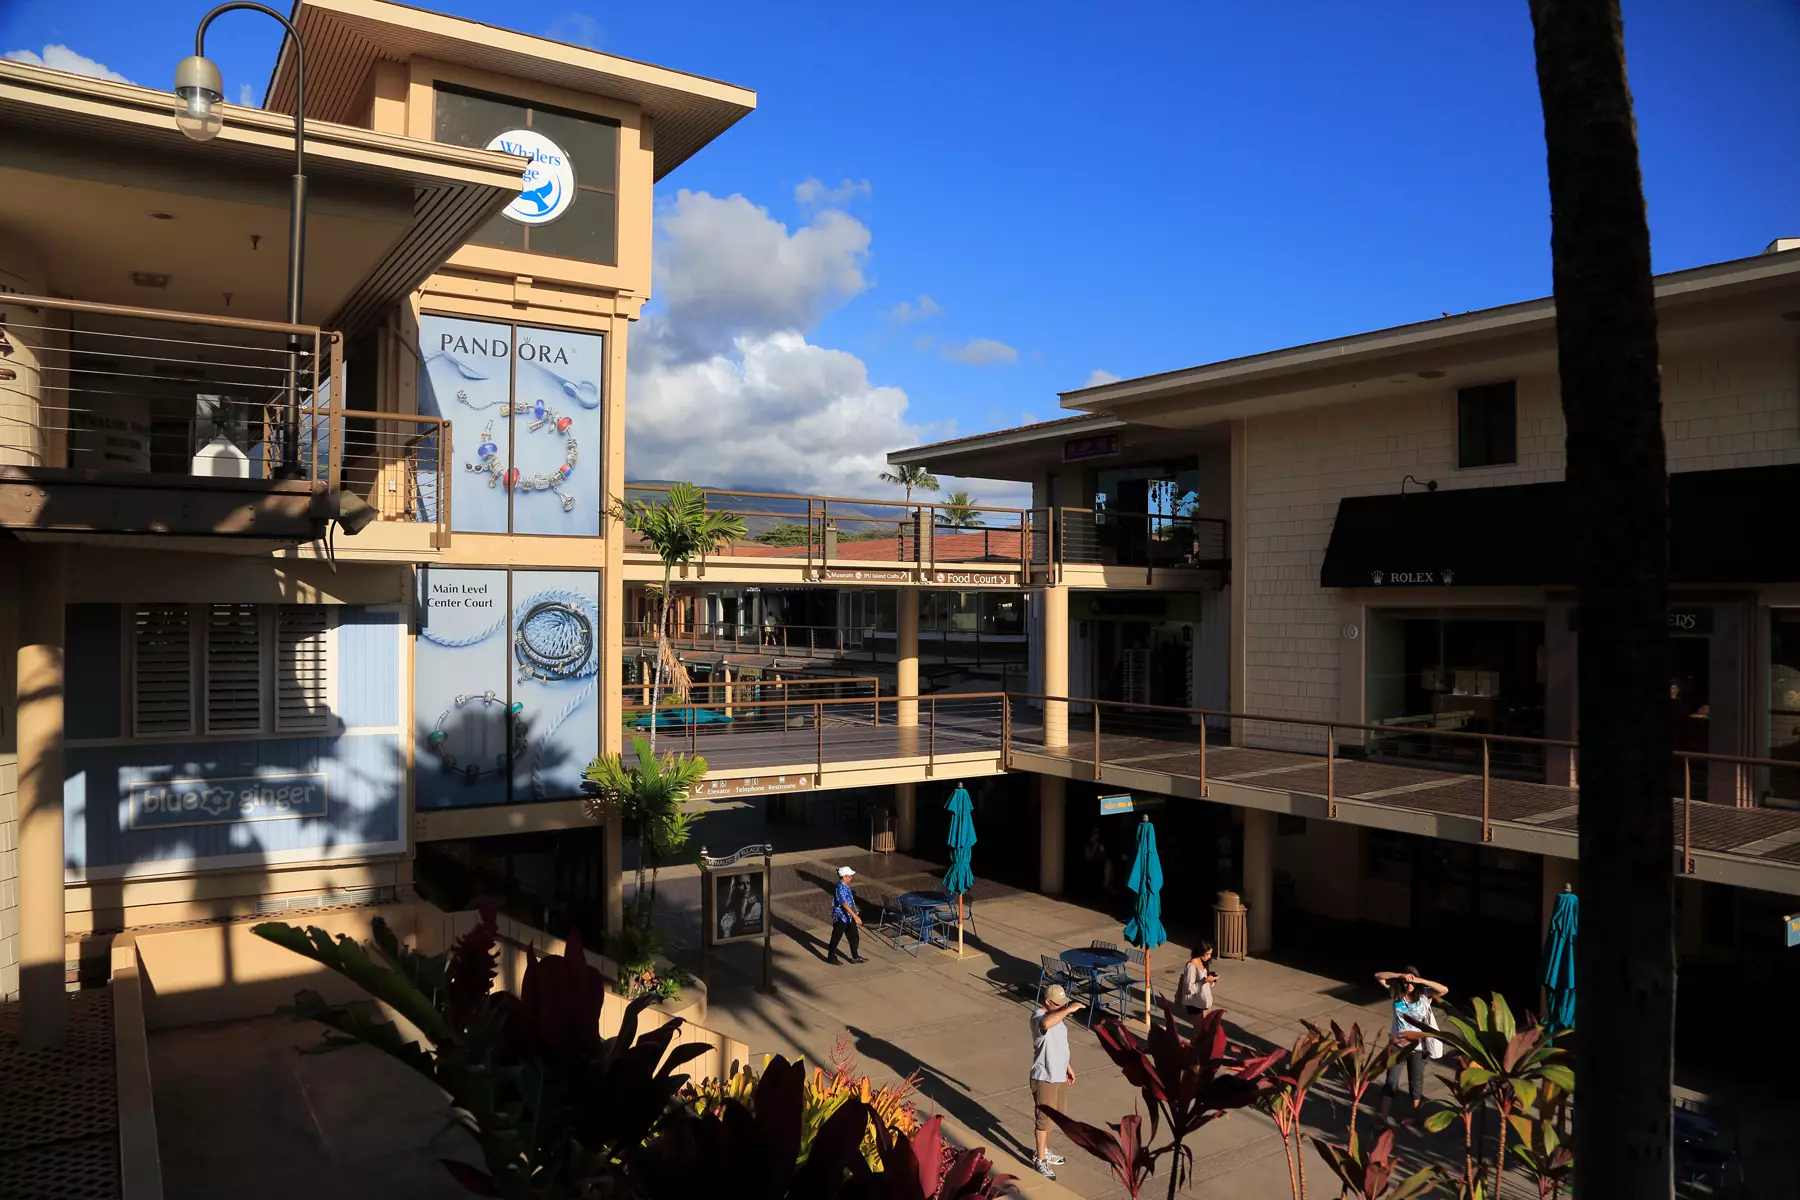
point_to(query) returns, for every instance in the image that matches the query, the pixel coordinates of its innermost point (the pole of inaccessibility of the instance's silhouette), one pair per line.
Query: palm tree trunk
(662, 637)
(1618, 495)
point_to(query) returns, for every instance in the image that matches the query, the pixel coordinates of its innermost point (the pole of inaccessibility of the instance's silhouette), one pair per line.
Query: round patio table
(1092, 960)
(918, 914)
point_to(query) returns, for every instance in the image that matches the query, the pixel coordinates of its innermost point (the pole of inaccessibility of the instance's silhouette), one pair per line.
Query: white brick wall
(1733, 407)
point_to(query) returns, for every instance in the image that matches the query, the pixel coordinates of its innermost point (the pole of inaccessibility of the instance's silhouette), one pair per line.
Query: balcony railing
(399, 463)
(1109, 537)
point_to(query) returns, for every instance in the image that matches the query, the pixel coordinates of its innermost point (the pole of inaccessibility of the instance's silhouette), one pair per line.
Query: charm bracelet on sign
(471, 772)
(542, 417)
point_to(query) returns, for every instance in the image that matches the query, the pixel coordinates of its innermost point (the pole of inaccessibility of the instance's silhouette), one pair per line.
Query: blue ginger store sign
(227, 801)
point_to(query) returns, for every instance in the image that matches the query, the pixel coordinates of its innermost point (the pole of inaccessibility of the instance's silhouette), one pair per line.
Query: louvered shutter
(303, 681)
(162, 669)
(234, 668)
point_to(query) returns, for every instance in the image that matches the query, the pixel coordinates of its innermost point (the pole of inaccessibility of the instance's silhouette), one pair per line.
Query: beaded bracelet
(544, 417)
(471, 772)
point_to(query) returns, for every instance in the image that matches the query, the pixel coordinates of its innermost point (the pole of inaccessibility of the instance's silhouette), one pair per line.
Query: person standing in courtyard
(1051, 1071)
(1412, 998)
(845, 920)
(1195, 991)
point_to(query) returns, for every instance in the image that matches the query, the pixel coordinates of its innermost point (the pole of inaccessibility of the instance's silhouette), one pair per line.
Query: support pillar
(1056, 665)
(906, 816)
(906, 666)
(1052, 800)
(1259, 878)
(42, 594)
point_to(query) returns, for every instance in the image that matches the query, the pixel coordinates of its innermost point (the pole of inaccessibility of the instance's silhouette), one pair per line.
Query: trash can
(1231, 926)
(881, 831)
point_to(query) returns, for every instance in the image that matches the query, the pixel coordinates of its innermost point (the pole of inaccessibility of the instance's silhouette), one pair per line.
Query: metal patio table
(1092, 961)
(919, 914)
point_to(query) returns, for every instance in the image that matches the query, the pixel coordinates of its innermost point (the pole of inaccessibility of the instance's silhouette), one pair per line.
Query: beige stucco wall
(9, 781)
(1734, 406)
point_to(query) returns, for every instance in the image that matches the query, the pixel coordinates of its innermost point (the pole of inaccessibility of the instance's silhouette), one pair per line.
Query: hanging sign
(549, 180)
(1111, 806)
(1793, 929)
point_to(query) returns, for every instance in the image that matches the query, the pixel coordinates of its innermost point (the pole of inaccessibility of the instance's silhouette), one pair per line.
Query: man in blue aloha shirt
(844, 918)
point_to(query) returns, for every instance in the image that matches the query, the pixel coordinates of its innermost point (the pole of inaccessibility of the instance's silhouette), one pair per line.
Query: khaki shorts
(1049, 1095)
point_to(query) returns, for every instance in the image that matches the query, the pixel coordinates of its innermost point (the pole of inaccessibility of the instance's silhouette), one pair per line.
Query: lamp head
(199, 90)
(353, 513)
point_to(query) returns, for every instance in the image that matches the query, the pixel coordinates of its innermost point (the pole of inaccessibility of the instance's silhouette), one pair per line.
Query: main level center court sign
(227, 801)
(549, 180)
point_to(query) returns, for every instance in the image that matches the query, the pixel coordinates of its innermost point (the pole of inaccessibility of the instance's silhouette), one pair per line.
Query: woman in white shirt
(1412, 998)
(1195, 991)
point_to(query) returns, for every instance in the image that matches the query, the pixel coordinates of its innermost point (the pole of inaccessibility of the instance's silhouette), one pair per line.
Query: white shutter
(303, 676)
(234, 668)
(162, 670)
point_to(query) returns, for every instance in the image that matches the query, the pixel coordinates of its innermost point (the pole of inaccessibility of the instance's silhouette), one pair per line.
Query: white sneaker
(1055, 1160)
(1043, 1168)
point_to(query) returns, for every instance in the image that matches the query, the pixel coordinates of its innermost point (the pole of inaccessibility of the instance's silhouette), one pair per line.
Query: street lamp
(200, 90)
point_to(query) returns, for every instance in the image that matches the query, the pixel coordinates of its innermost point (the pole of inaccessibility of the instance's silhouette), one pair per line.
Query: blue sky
(1135, 192)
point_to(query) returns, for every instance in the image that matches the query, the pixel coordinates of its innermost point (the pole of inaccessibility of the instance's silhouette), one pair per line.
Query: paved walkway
(59, 1123)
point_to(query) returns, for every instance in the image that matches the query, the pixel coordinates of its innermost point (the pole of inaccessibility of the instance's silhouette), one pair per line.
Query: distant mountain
(763, 513)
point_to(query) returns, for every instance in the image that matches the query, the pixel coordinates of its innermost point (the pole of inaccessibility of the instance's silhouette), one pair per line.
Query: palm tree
(1607, 358)
(959, 510)
(910, 478)
(680, 528)
(651, 797)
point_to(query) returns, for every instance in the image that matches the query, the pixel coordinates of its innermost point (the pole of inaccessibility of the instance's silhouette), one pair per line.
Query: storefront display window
(1784, 705)
(1432, 672)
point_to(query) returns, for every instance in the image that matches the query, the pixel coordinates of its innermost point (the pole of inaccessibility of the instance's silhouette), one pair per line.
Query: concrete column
(907, 653)
(1052, 800)
(906, 816)
(42, 595)
(1056, 665)
(1259, 878)
(1557, 872)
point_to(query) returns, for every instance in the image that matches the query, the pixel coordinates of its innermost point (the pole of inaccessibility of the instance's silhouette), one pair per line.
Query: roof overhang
(346, 38)
(452, 190)
(1016, 454)
(1766, 287)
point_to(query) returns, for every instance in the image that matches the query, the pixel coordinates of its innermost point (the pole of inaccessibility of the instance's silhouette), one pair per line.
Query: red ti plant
(1124, 1149)
(1184, 1084)
(1373, 1177)
(1361, 1062)
(1305, 1065)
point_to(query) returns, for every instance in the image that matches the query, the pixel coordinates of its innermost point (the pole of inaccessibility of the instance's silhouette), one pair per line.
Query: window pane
(233, 668)
(304, 680)
(1487, 425)
(592, 146)
(472, 120)
(161, 670)
(586, 231)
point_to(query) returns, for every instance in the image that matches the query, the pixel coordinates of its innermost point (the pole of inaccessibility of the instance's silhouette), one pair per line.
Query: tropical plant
(1373, 1176)
(958, 511)
(1609, 369)
(679, 528)
(1360, 1061)
(1124, 1149)
(553, 1107)
(651, 796)
(1300, 1073)
(1548, 1157)
(1468, 1100)
(788, 533)
(1511, 1065)
(1183, 1085)
(910, 478)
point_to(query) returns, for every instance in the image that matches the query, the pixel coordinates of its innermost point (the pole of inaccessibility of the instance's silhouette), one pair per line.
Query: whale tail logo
(542, 199)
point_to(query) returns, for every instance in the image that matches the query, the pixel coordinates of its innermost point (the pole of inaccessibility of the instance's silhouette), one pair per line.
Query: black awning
(1721, 530)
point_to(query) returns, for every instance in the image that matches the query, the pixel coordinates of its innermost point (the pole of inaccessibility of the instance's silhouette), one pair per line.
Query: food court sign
(229, 801)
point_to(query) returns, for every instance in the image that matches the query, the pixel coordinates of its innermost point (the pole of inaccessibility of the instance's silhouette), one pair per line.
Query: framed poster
(463, 731)
(555, 640)
(739, 905)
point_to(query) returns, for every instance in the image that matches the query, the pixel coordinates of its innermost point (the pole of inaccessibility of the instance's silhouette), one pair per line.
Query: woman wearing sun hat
(844, 918)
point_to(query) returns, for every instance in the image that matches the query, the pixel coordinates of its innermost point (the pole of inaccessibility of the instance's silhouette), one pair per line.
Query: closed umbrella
(1145, 928)
(1559, 962)
(959, 878)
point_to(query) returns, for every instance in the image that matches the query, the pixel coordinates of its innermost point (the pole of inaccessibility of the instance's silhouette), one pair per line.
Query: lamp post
(200, 90)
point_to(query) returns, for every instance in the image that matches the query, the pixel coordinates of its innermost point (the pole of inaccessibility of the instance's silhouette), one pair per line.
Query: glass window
(576, 205)
(1487, 425)
(1784, 705)
(1435, 672)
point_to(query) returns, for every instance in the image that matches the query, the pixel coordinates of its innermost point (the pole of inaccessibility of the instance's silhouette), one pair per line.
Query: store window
(229, 669)
(569, 206)
(1783, 787)
(1432, 675)
(1487, 425)
(1144, 514)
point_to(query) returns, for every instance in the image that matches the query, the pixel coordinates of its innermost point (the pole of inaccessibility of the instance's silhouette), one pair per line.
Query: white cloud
(726, 389)
(908, 311)
(246, 96)
(61, 58)
(981, 352)
(576, 29)
(1099, 376)
(814, 194)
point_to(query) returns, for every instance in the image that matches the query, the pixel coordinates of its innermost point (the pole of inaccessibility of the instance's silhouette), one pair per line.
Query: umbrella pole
(959, 920)
(1146, 988)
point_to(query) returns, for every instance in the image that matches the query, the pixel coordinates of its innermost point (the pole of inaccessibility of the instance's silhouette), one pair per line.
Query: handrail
(97, 308)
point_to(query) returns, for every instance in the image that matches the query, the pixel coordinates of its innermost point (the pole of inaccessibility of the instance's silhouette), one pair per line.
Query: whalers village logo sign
(549, 180)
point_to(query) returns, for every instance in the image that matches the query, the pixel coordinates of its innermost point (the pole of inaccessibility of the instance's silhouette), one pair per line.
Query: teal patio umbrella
(1559, 962)
(1145, 928)
(959, 878)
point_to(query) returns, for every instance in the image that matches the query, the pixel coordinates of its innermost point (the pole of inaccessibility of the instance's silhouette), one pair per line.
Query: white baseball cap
(1055, 996)
(845, 872)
